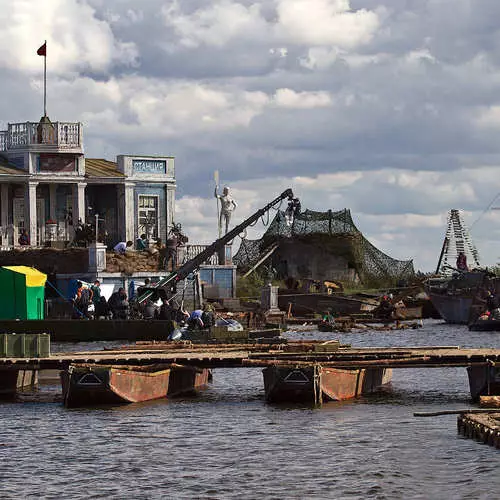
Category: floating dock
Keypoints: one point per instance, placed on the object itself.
(262, 355)
(332, 370)
(483, 427)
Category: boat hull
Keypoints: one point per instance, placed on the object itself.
(317, 384)
(452, 308)
(94, 385)
(89, 385)
(307, 303)
(485, 325)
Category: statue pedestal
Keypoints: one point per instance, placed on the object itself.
(269, 304)
(97, 257)
(225, 256)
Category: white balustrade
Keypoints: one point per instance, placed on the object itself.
(62, 135)
(191, 251)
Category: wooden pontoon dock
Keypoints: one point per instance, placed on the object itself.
(292, 362)
(261, 355)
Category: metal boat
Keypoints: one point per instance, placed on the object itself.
(317, 384)
(90, 384)
(458, 298)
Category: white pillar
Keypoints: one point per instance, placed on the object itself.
(170, 206)
(79, 202)
(130, 212)
(30, 223)
(4, 209)
(52, 201)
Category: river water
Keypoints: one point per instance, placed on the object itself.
(228, 443)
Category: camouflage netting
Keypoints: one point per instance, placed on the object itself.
(333, 231)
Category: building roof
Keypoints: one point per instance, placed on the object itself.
(7, 168)
(98, 167)
(34, 278)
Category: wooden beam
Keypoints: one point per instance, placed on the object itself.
(260, 261)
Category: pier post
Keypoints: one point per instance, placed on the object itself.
(12, 380)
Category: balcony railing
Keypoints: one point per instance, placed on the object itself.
(56, 135)
(188, 252)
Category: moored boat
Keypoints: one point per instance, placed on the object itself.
(305, 303)
(452, 308)
(90, 384)
(316, 384)
(485, 325)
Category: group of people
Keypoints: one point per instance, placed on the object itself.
(196, 320)
(117, 307)
(142, 244)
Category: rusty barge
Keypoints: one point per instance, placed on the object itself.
(91, 384)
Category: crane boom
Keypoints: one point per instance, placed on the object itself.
(193, 264)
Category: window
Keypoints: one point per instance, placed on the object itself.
(147, 222)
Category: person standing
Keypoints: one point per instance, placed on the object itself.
(83, 297)
(172, 244)
(208, 317)
(462, 262)
(96, 295)
(119, 305)
(166, 312)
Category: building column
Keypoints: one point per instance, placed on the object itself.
(169, 207)
(126, 212)
(79, 202)
(4, 210)
(52, 202)
(30, 223)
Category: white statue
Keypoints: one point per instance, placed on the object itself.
(227, 207)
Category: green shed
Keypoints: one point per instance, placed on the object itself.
(22, 292)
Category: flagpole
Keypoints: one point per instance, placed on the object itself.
(45, 81)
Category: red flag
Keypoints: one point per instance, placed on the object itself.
(42, 51)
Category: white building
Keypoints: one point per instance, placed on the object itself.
(47, 185)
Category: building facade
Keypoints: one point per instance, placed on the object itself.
(48, 186)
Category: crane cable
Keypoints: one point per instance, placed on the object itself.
(484, 211)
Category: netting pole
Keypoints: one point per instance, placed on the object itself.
(330, 221)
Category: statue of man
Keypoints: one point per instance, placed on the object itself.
(227, 207)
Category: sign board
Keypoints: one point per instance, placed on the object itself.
(55, 163)
(149, 166)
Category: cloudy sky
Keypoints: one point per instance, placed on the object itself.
(388, 107)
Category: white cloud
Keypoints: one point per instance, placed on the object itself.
(216, 24)
(309, 22)
(288, 98)
(325, 22)
(76, 38)
(489, 117)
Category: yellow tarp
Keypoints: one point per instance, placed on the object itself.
(33, 277)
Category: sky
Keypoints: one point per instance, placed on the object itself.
(390, 108)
